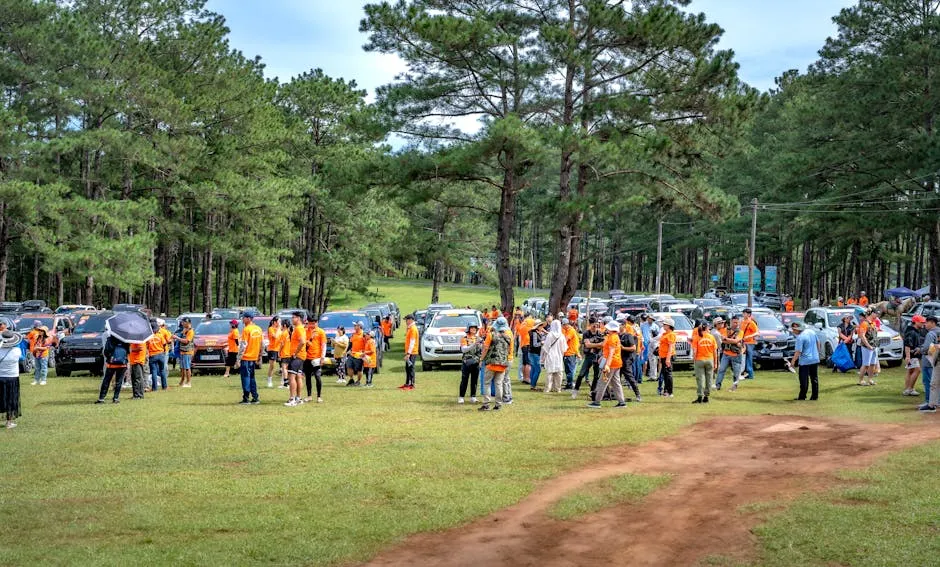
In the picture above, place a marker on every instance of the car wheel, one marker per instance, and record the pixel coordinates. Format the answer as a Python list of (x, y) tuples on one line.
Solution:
[(426, 366), (827, 351)]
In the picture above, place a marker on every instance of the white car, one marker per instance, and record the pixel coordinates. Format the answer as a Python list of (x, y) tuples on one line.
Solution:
[(440, 343), (690, 310), (529, 305), (827, 321), (683, 330)]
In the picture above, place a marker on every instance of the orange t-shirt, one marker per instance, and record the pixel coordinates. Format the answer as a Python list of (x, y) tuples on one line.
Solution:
[(316, 343), (612, 351), (157, 344), (486, 346), (370, 360), (297, 340), (667, 344), (574, 342), (284, 341), (852, 301), (386, 328), (357, 344), (138, 354), (862, 330), (750, 328), (167, 338), (523, 331), (863, 301), (252, 337), (704, 346), (411, 340), (729, 333), (789, 306), (233, 340), (274, 339)]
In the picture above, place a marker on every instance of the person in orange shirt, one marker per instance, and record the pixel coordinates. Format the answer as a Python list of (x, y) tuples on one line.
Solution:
[(156, 352), (387, 331), (611, 372), (39, 347), (298, 354), (788, 304), (185, 337), (316, 352), (573, 352), (862, 299), (851, 301), (357, 347), (274, 348), (231, 352), (250, 343), (750, 331), (137, 360), (867, 334), (370, 358), (667, 350), (705, 360), (522, 334), (494, 313), (411, 353), (573, 315), (497, 355), (284, 355)]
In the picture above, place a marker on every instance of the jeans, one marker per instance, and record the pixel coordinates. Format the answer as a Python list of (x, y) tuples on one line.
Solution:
[(809, 374), (734, 362), (926, 376), (42, 369), (638, 368), (249, 386), (629, 378), (571, 363), (535, 361), (410, 370), (157, 370), (590, 361), (469, 374), (115, 375), (749, 361)]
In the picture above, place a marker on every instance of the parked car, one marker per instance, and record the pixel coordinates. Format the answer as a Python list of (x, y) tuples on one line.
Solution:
[(827, 320), (622, 306), (227, 313), (11, 307), (726, 312), (286, 314), (921, 308), (83, 350), (118, 307), (211, 343), (419, 316), (690, 310), (683, 330), (528, 306), (774, 341), (575, 301), (735, 299), (788, 318), (716, 292), (396, 313), (440, 343), (704, 302), (332, 320), (35, 306), (59, 325), (660, 303), (383, 310), (771, 301), (66, 309)]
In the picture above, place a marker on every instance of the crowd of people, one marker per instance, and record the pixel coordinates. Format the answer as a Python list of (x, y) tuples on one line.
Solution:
[(615, 353)]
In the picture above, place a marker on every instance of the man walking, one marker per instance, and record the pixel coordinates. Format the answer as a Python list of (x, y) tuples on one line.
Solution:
[(248, 357), (731, 345), (571, 353), (667, 350), (913, 337), (807, 355), (612, 365), (411, 352), (471, 348), (749, 331), (497, 354)]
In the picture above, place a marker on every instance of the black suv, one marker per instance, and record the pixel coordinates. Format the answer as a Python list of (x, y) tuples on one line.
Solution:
[(84, 348)]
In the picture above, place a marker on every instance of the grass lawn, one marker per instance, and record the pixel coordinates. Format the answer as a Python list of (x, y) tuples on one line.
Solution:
[(412, 295), (189, 477), (606, 493)]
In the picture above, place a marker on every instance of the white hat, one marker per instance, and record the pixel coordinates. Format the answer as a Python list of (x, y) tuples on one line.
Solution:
[(670, 322), (613, 327)]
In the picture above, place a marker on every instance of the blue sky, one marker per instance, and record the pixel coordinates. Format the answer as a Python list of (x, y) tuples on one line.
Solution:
[(293, 36)]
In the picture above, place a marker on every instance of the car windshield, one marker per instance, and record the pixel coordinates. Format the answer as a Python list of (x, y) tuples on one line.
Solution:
[(768, 322), (789, 318), (450, 320), (835, 318), (90, 324), (739, 299), (345, 320), (25, 322), (682, 323), (709, 302), (213, 327)]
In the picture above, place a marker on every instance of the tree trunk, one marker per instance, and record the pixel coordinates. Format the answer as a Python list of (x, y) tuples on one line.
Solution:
[(90, 290), (4, 252), (934, 282), (207, 281), (507, 214)]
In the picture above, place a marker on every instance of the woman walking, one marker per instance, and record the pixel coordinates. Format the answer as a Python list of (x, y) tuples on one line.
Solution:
[(471, 347), (704, 353), (10, 355), (612, 365), (553, 357), (41, 345), (536, 336)]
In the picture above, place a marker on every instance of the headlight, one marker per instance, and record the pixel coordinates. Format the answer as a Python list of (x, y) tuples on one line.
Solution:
[(896, 339), (433, 339)]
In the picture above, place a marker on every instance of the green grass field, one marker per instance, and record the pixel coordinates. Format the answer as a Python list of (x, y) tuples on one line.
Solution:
[(189, 477)]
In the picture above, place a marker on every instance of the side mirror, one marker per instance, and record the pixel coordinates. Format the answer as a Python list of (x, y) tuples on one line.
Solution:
[(818, 326)]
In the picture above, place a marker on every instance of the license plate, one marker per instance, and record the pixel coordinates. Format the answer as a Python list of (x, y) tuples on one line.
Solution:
[(777, 354), (212, 357), (90, 360), (452, 349)]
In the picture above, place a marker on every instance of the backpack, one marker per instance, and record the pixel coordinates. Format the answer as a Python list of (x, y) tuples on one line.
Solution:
[(498, 352), (116, 352)]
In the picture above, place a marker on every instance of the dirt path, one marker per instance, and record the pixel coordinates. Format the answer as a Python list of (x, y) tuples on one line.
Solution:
[(717, 466)]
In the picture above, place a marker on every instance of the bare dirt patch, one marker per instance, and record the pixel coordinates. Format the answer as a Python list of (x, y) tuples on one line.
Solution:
[(717, 466)]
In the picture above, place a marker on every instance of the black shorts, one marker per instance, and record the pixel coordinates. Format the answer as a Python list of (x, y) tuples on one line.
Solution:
[(273, 355), (230, 358), (525, 356), (354, 365), (296, 366)]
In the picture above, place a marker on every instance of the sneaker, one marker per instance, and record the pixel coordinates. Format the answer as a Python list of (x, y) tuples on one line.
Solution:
[(350, 383), (484, 407), (474, 401), (319, 400), (340, 380), (507, 402), (244, 402), (669, 396), (927, 408), (870, 383), (43, 383), (639, 399), (705, 400), (290, 403), (717, 387), (308, 399), (282, 387), (34, 383), (403, 387), (187, 385), (410, 387), (497, 407), (301, 401), (621, 405), (270, 383), (574, 394), (99, 402), (127, 385), (698, 400), (370, 385), (594, 405), (115, 401), (734, 386), (459, 401), (255, 402), (914, 392), (714, 386), (11, 424)]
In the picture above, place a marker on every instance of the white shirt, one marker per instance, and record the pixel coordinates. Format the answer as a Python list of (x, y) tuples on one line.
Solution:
[(10, 365)]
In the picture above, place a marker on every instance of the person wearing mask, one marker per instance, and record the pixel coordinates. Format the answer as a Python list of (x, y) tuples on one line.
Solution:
[(340, 346), (10, 355), (571, 353), (185, 337), (628, 348), (704, 356), (553, 357), (497, 355), (807, 356), (275, 337), (913, 338), (471, 347), (928, 361), (750, 331), (411, 352), (250, 342), (295, 364), (613, 362), (667, 350), (41, 344), (867, 335), (731, 345), (116, 355), (592, 343), (316, 352), (231, 350), (370, 358), (536, 335)]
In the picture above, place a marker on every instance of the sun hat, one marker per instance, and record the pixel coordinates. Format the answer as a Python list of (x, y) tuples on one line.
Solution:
[(161, 322), (500, 324), (44, 329), (670, 322), (918, 319), (9, 339), (717, 320), (612, 327)]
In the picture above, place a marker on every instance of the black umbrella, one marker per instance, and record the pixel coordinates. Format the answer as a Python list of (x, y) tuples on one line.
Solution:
[(129, 327)]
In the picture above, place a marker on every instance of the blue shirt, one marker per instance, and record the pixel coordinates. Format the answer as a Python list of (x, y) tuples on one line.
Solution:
[(809, 350)]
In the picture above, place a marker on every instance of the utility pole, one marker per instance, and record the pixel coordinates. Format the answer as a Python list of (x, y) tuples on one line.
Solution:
[(659, 258), (753, 246)]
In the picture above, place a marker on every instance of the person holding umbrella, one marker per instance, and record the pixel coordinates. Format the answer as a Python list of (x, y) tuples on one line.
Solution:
[(123, 330), (116, 354)]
